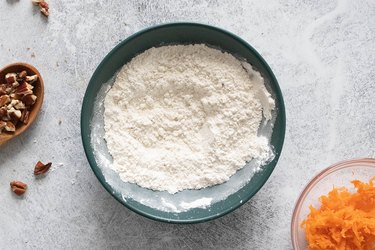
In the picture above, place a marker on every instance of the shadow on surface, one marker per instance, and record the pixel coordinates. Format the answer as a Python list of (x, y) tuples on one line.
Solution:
[(130, 230), (12, 1)]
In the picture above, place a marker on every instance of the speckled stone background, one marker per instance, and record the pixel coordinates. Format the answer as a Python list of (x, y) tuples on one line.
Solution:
[(322, 52)]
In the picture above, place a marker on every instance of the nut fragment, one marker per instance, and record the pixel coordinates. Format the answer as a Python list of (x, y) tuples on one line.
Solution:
[(3, 112), (14, 115), (19, 105), (44, 11), (22, 75), (4, 100), (9, 89), (25, 116), (41, 168), (10, 127), (31, 79), (15, 96), (2, 125), (11, 104), (3, 89), (24, 89), (18, 187), (43, 5), (37, 2), (11, 78), (29, 100)]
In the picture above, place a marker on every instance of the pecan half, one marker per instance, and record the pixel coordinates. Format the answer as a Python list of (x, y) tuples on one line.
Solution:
[(18, 187), (41, 168)]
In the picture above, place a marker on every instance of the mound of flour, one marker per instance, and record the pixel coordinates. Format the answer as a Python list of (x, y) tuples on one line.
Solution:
[(185, 117)]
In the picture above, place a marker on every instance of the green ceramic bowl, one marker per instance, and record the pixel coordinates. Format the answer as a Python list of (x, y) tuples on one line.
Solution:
[(163, 206)]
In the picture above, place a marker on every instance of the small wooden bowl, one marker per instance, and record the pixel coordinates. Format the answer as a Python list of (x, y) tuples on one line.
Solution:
[(38, 91)]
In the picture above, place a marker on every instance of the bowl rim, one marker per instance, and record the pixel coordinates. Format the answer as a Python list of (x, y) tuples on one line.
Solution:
[(281, 116), (369, 162)]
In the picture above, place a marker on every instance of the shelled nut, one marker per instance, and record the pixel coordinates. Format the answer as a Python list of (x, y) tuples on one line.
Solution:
[(18, 187), (43, 5), (41, 168)]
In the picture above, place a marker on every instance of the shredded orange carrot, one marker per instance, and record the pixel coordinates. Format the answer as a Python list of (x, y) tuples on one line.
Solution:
[(344, 221)]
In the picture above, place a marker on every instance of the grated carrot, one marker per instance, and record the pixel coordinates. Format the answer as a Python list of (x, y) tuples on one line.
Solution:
[(344, 221)]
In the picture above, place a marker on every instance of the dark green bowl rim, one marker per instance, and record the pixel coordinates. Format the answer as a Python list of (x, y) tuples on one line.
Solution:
[(86, 140)]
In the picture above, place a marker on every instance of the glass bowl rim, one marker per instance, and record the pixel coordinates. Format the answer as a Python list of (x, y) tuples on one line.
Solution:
[(369, 162)]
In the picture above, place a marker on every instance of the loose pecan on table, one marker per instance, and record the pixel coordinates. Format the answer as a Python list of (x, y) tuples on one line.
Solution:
[(18, 187), (41, 168)]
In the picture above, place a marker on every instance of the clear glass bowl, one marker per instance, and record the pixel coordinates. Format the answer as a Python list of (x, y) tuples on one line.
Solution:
[(338, 175)]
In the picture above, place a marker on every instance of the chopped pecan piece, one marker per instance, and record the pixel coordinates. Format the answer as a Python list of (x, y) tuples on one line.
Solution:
[(10, 127), (15, 96), (25, 116), (29, 99), (2, 125), (24, 89), (19, 105), (3, 89), (22, 75), (3, 112), (31, 79), (37, 2), (14, 115), (10, 78), (41, 168), (43, 6), (4, 100)]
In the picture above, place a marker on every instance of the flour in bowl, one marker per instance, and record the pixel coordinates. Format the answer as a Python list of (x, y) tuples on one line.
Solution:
[(185, 117)]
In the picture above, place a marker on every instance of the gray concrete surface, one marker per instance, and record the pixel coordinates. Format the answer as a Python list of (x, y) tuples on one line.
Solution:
[(322, 52)]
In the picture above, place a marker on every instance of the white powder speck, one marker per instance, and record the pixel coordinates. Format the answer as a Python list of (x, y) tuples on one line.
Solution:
[(54, 167), (201, 203), (169, 205), (185, 117)]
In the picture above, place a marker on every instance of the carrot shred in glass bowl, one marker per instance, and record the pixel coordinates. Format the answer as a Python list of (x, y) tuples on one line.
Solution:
[(345, 220)]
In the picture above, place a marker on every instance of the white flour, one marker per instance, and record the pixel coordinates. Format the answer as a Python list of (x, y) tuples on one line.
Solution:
[(185, 117)]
